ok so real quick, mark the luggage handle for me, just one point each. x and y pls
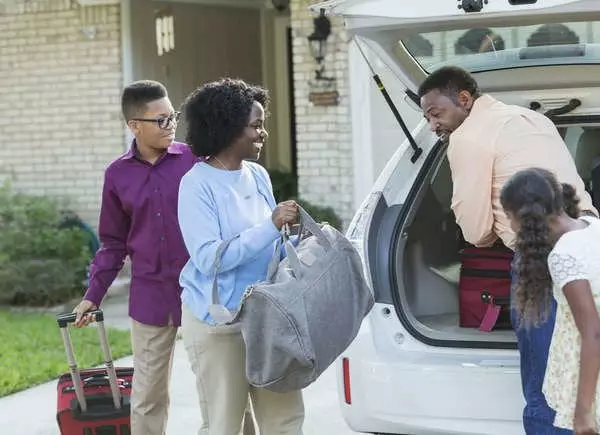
(492, 311)
(63, 321)
(308, 223)
(66, 318)
(488, 298)
(99, 380)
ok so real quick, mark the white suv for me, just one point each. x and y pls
(412, 369)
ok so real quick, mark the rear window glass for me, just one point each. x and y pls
(485, 48)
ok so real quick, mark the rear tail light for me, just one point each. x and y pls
(346, 372)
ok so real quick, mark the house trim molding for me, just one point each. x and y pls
(252, 4)
(126, 57)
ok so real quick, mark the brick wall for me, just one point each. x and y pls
(324, 143)
(59, 100)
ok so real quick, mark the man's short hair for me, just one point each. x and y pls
(449, 80)
(138, 94)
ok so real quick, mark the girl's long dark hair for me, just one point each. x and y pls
(533, 196)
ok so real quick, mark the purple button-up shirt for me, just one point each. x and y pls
(138, 217)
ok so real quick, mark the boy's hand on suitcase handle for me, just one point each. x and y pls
(80, 310)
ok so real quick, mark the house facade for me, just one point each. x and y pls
(63, 64)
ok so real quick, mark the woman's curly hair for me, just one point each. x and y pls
(217, 113)
(533, 196)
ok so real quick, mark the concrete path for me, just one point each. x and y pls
(33, 412)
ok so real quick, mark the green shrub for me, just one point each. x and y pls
(285, 187)
(285, 184)
(40, 264)
(321, 213)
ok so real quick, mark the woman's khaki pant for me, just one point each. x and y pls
(217, 356)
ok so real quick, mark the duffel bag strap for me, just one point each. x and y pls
(274, 263)
(219, 313)
(306, 223)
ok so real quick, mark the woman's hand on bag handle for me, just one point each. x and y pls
(285, 212)
(82, 318)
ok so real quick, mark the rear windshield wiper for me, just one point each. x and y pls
(417, 151)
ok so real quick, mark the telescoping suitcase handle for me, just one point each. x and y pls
(63, 322)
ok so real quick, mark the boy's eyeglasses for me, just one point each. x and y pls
(164, 122)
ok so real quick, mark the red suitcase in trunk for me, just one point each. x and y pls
(93, 401)
(484, 288)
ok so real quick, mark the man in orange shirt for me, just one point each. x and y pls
(490, 141)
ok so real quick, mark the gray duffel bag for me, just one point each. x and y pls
(308, 311)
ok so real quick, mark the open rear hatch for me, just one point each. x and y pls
(542, 54)
(419, 37)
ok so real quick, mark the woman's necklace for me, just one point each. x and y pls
(220, 162)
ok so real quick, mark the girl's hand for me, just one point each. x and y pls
(583, 423)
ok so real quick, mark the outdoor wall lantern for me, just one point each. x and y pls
(318, 42)
(322, 90)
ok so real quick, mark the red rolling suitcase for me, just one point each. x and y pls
(93, 401)
(484, 288)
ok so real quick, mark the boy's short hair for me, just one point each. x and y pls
(138, 94)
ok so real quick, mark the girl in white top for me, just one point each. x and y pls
(560, 258)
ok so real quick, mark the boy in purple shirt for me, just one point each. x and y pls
(138, 217)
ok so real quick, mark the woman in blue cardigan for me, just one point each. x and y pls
(227, 197)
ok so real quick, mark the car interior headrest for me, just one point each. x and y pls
(588, 150)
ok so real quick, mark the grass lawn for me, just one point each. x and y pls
(32, 351)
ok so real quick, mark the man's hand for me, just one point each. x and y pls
(82, 318)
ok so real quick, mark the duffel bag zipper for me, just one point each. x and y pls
(247, 292)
